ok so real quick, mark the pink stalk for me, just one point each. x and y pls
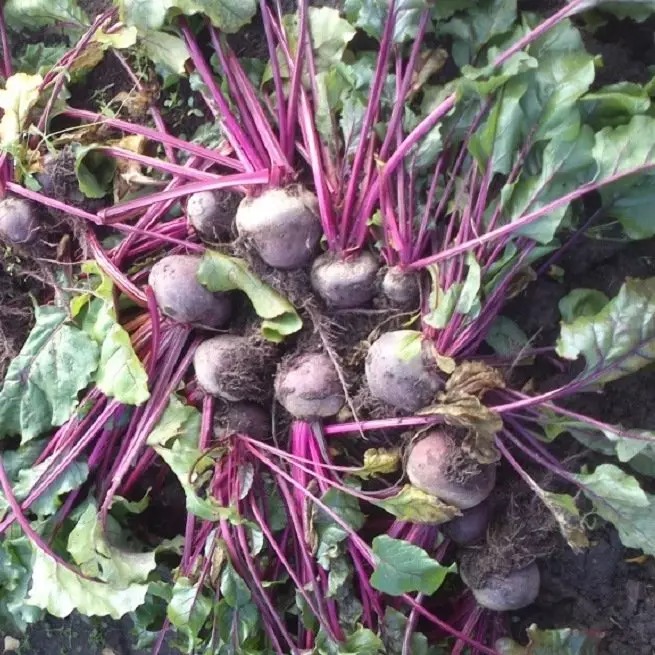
(155, 135)
(380, 424)
(126, 209)
(288, 130)
(367, 123)
(6, 50)
(235, 135)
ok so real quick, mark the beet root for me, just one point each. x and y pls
(212, 212)
(514, 591)
(181, 297)
(19, 223)
(471, 526)
(309, 387)
(245, 418)
(234, 368)
(437, 465)
(399, 375)
(401, 287)
(282, 225)
(345, 283)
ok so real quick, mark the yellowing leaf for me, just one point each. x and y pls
(413, 505)
(125, 37)
(378, 461)
(473, 379)
(17, 98)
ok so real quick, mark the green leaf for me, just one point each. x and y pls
(227, 15)
(638, 10)
(619, 339)
(110, 562)
(413, 505)
(401, 567)
(566, 165)
(393, 634)
(15, 575)
(49, 502)
(506, 337)
(176, 439)
(20, 94)
(562, 641)
(614, 104)
(234, 589)
(618, 498)
(330, 34)
(42, 383)
(371, 15)
(33, 14)
(39, 58)
(362, 642)
(59, 591)
(164, 49)
(628, 199)
(219, 272)
(94, 170)
(121, 374)
(481, 23)
(580, 303)
(188, 610)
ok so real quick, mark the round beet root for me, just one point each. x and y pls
(283, 226)
(234, 368)
(512, 592)
(246, 418)
(401, 287)
(309, 387)
(345, 283)
(181, 297)
(471, 526)
(18, 221)
(400, 374)
(212, 212)
(437, 465)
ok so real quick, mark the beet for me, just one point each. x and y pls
(471, 526)
(234, 368)
(402, 376)
(514, 591)
(345, 283)
(401, 287)
(245, 418)
(19, 222)
(438, 466)
(309, 387)
(212, 212)
(181, 297)
(282, 225)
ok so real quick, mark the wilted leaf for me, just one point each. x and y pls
(562, 641)
(60, 591)
(415, 506)
(379, 461)
(219, 272)
(227, 15)
(17, 98)
(567, 515)
(473, 379)
(618, 498)
(42, 383)
(401, 567)
(619, 339)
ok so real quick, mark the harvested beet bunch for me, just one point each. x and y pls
(290, 321)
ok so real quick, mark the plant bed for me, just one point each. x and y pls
(324, 308)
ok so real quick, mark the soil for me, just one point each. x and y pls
(605, 589)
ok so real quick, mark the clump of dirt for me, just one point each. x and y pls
(518, 536)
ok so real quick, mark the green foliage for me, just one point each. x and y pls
(33, 14)
(563, 641)
(40, 390)
(619, 339)
(219, 272)
(401, 567)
